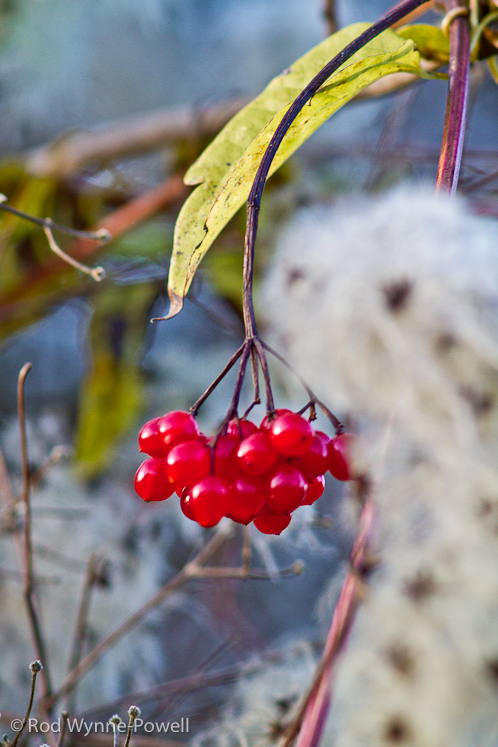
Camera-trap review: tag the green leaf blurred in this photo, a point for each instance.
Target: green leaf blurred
(111, 396)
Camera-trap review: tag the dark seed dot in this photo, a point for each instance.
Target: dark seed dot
(401, 659)
(294, 275)
(492, 669)
(397, 294)
(396, 730)
(445, 342)
(421, 586)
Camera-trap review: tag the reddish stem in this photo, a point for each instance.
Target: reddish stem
(455, 117)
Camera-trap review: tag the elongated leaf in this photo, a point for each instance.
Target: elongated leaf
(227, 167)
(429, 41)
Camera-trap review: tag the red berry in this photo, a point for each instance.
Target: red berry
(150, 440)
(187, 463)
(246, 499)
(151, 482)
(291, 434)
(269, 523)
(256, 455)
(314, 490)
(314, 461)
(186, 504)
(178, 426)
(225, 458)
(268, 419)
(241, 429)
(286, 489)
(339, 456)
(208, 500)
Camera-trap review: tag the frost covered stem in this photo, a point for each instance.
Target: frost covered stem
(456, 101)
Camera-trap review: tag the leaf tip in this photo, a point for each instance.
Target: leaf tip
(175, 306)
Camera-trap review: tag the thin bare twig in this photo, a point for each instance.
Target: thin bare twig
(97, 273)
(184, 575)
(29, 586)
(80, 630)
(35, 666)
(133, 713)
(62, 732)
(100, 234)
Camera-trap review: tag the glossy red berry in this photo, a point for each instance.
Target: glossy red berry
(314, 461)
(340, 456)
(225, 458)
(269, 523)
(314, 490)
(208, 500)
(268, 419)
(291, 434)
(178, 426)
(246, 499)
(151, 482)
(151, 441)
(187, 463)
(242, 428)
(286, 489)
(186, 504)
(256, 455)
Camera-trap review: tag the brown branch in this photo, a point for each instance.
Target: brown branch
(29, 585)
(147, 132)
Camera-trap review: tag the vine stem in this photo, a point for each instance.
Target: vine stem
(455, 117)
(256, 193)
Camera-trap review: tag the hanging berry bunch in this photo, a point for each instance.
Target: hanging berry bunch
(244, 472)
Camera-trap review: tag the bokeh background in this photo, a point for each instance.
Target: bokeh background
(100, 369)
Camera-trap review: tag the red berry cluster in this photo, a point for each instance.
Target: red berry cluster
(248, 474)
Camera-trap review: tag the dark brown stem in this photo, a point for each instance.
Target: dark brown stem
(455, 117)
(29, 585)
(235, 357)
(255, 195)
(276, 355)
(270, 404)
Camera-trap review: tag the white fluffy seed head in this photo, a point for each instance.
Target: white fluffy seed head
(389, 307)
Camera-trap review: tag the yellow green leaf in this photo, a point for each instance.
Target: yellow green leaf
(226, 169)
(429, 41)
